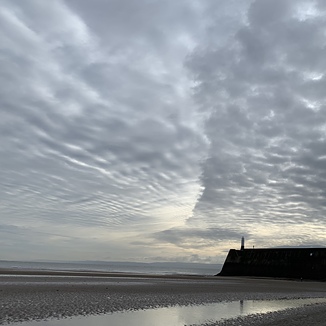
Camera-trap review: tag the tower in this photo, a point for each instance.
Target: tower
(242, 243)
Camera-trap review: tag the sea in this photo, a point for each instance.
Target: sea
(164, 268)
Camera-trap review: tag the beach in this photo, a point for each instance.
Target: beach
(40, 295)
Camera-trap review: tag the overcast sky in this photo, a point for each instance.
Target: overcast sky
(155, 130)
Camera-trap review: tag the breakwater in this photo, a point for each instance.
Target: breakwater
(299, 263)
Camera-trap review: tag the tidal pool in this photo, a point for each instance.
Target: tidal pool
(180, 315)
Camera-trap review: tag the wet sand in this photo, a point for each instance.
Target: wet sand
(38, 295)
(308, 316)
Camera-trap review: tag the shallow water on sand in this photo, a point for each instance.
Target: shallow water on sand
(180, 315)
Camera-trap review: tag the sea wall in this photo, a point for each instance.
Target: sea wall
(305, 263)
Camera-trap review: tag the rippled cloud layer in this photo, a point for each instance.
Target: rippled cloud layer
(264, 91)
(160, 130)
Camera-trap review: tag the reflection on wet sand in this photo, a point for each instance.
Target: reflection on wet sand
(180, 315)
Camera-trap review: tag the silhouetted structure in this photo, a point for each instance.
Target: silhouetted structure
(305, 263)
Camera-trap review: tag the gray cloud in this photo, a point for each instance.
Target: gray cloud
(266, 126)
(197, 237)
(190, 123)
(98, 128)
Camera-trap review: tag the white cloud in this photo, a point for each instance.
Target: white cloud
(93, 137)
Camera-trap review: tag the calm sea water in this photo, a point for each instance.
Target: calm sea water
(148, 268)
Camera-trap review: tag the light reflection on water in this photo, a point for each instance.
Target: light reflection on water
(179, 316)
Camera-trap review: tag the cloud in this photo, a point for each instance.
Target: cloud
(150, 129)
(97, 131)
(265, 103)
(197, 237)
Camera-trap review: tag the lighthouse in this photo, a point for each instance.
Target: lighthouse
(242, 243)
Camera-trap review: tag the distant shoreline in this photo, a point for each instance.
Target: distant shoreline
(99, 267)
(91, 273)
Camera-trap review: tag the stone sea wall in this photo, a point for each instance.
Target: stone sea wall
(299, 263)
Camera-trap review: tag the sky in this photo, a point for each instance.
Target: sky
(155, 130)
